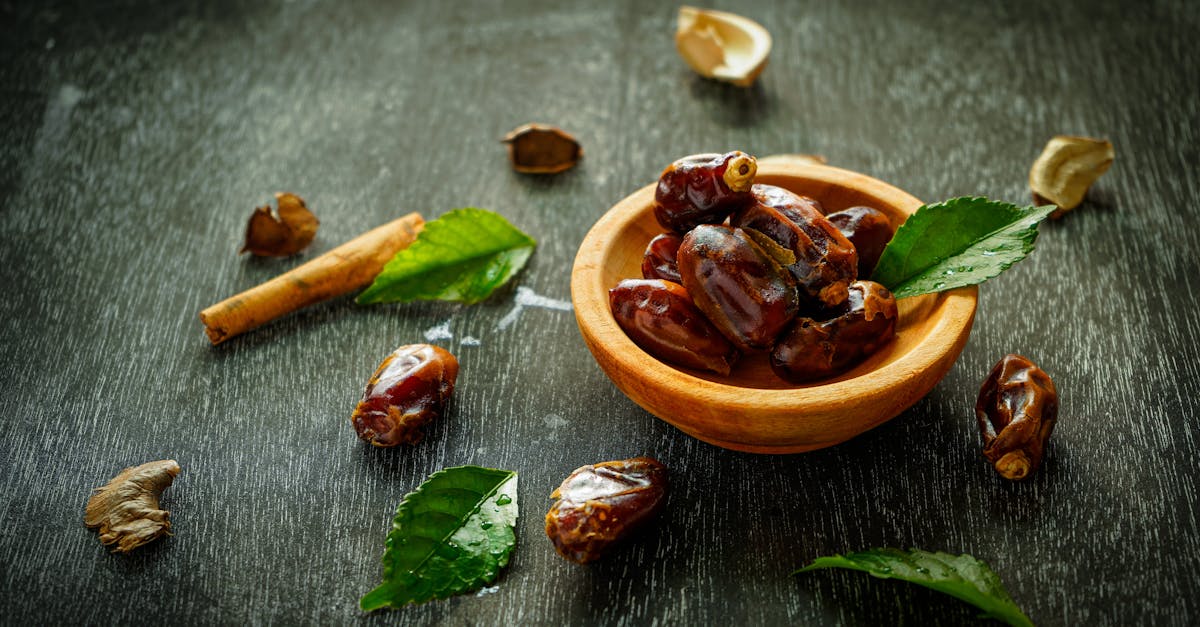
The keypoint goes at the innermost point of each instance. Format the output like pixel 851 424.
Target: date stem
pixel 1013 466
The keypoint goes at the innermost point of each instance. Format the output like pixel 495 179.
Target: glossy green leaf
pixel 962 577
pixel 959 242
pixel 462 256
pixel 451 535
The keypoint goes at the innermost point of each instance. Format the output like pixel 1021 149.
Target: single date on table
pixel 599 505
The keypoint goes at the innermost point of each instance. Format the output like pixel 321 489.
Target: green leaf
pixel 451 535
pixel 462 256
pixel 962 241
pixel 962 577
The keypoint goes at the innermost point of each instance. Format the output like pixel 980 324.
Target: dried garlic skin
pixel 283 233
pixel 1066 169
pixel 126 508
pixel 723 46
pixel 542 149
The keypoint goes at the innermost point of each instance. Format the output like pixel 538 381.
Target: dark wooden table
pixel 135 138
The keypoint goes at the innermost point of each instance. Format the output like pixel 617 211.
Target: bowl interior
pixel 761 410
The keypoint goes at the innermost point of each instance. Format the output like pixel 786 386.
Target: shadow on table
pixel 1096 201
pixel 141 560
pixel 1099 199
pixel 541 183
pixel 732 106
pixel 850 598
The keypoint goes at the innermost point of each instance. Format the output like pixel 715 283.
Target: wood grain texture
pixel 136 136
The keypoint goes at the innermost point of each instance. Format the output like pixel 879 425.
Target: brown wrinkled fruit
pixel 1016 411
pixel 542 149
pixel 741 289
pixel 599 505
pixel 282 233
pixel 816 349
pixel 659 261
pixel 703 189
pixel 408 390
pixel 826 261
pixel 659 317
pixel 868 229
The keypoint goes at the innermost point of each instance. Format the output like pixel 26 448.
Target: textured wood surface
pixel 136 138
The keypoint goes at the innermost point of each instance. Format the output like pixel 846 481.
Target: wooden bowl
pixel 752 409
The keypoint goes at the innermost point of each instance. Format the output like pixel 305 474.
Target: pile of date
pixel 746 267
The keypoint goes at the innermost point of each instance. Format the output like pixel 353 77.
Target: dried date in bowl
pixel 661 258
pixel 820 348
pixel 740 288
pixel 752 409
pixel 824 261
pixel 659 316
pixel 703 189
pixel 869 230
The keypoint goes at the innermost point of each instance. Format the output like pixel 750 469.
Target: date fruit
pixel 738 286
pixel 816 349
pixel 1016 410
pixel 601 504
pixel 408 390
pixel 703 189
pixel 659 317
pixel 868 229
pixel 659 260
pixel 826 261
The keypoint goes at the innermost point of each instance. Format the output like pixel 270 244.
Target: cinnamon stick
pixel 348 267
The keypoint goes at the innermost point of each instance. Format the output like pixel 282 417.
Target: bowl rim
pixel 955 308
